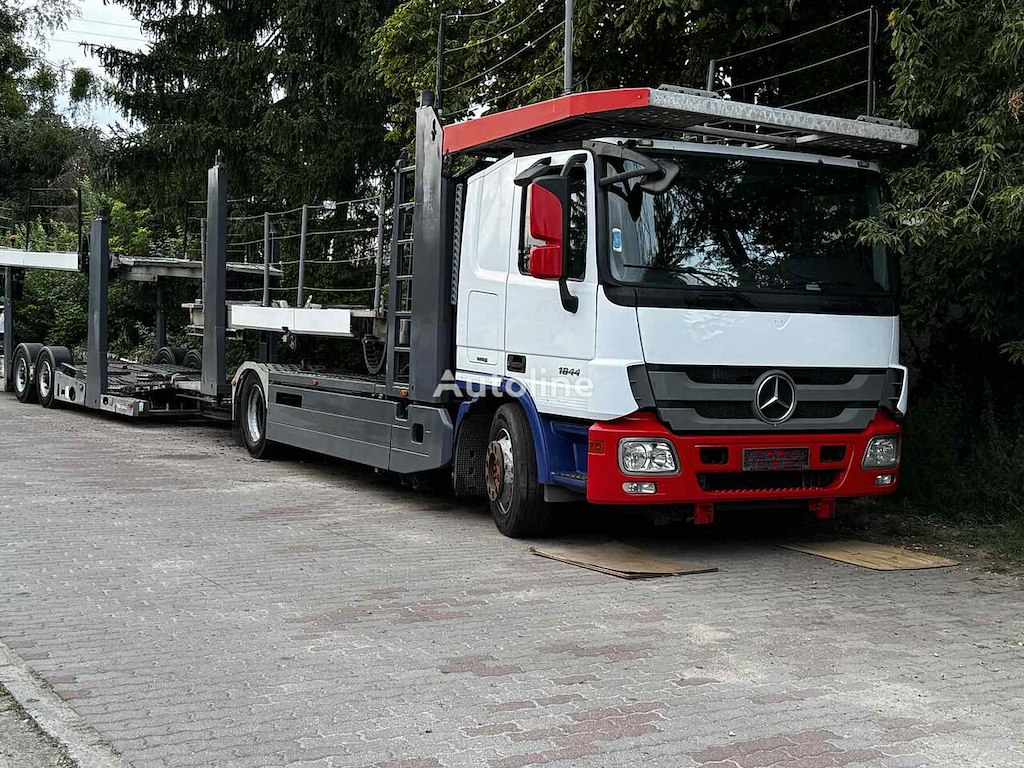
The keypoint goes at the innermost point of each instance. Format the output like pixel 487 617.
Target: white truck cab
pixel 685 322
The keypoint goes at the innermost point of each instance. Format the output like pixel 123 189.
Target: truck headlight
pixel 883 452
pixel 643 456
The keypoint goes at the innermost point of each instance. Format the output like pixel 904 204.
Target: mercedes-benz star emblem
pixel 775 397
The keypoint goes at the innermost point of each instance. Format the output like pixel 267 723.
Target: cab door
pixel 548 348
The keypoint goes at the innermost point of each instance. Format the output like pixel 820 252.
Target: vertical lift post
pixel 96 331
pixel 214 379
pixel 8 328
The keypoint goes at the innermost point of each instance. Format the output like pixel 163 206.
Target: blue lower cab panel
pixel 567 453
pixel 361 429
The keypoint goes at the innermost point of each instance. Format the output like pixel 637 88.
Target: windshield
pixel 750 225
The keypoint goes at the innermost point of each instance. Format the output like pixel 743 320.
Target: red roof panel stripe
pixel 502 125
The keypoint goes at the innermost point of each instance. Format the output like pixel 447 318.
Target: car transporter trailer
pixel 704 394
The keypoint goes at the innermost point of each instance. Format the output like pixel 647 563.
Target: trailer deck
pixel 134 389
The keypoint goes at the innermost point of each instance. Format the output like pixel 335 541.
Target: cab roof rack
pixel 670 112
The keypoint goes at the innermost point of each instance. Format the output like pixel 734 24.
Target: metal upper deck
pixel 135 268
pixel 149 268
pixel 673 113
pixel 61 261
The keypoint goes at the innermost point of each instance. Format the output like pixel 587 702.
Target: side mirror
pixel 549 223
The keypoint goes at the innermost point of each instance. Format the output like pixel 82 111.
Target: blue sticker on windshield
pixel 617 240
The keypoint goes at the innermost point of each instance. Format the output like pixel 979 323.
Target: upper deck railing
pixel 670 112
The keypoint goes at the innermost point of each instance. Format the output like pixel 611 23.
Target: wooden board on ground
pixel 866 554
pixel 620 560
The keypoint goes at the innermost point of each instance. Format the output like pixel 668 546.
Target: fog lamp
pixel 885 479
pixel 640 487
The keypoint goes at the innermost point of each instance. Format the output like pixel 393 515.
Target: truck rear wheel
pixel 193 359
pixel 252 418
pixel 47 364
pixel 170 356
pixel 21 367
pixel 517 499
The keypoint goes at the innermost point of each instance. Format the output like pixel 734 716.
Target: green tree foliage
pixel 281 87
pixel 957 220
pixel 39 147
pixel 14 61
pixel 958 211
pixel 641 43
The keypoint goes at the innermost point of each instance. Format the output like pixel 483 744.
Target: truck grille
pixel 708 399
pixel 713 410
pixel 720 374
pixel 775 480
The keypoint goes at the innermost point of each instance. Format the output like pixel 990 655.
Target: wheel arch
pixel 32 351
pixel 472 425
pixel 487 400
pixel 246 369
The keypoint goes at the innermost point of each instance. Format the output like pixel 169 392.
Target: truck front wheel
pixel 510 471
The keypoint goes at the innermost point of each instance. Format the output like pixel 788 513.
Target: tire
pixel 47 364
pixel 251 417
pixel 510 466
pixel 170 356
pixel 193 359
pixel 22 374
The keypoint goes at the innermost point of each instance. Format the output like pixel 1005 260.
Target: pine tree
pixel 283 88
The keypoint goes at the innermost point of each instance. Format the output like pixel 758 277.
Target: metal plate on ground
pixel 620 560
pixel 877 557
pixel 761 459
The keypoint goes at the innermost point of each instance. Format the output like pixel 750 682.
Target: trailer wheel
pixel 47 364
pixel 193 359
pixel 21 367
pixel 510 467
pixel 252 418
pixel 170 356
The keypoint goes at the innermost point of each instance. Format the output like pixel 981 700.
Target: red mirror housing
pixel 546 262
pixel 549 223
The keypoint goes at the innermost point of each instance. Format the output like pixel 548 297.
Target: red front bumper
pixel 711 466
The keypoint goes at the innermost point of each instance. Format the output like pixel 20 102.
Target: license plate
pixel 755 459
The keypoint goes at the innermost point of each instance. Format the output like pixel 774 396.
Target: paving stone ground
pixel 199 608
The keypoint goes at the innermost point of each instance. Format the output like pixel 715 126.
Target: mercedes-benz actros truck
pixel 643 296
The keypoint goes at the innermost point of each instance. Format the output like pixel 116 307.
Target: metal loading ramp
pixel 145 269
pixel 666 113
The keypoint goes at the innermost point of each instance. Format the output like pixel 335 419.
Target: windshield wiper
pixel 850 301
pixel 824 285
pixel 710 280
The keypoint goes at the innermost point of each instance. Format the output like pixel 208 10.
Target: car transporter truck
pixel 641 296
